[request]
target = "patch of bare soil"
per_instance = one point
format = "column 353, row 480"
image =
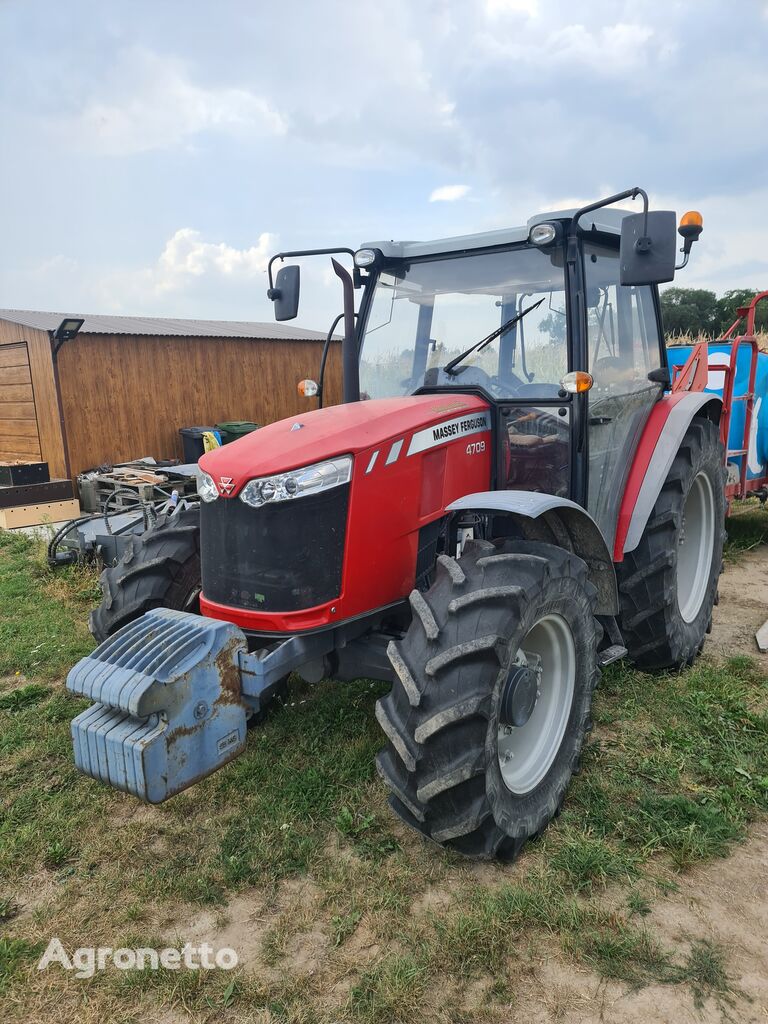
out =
column 240, row 926
column 245, row 921
column 39, row 891
column 8, row 683
column 743, row 607
column 725, row 902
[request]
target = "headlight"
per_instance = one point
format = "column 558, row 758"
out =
column 365, row 257
column 206, row 488
column 298, row 483
column 542, row 234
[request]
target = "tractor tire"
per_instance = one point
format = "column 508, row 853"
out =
column 500, row 612
column 668, row 584
column 160, row 569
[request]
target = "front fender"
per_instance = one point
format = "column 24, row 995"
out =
column 546, row 517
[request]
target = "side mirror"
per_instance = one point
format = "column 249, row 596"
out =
column 285, row 294
column 647, row 254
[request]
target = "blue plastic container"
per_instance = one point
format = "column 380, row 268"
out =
column 719, row 356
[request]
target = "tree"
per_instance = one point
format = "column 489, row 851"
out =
column 732, row 300
column 689, row 311
column 554, row 325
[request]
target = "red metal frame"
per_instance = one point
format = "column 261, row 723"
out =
column 692, row 376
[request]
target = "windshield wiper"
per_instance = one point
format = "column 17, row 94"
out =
column 480, row 345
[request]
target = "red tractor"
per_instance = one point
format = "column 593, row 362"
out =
column 509, row 498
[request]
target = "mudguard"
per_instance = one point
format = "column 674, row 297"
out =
column 659, row 444
column 563, row 517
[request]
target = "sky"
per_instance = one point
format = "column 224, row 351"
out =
column 155, row 154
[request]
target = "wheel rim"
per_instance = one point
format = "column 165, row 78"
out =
column 694, row 547
column 526, row 752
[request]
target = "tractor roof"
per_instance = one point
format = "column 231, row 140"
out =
column 606, row 220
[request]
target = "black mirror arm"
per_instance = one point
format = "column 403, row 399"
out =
column 630, row 193
column 294, row 253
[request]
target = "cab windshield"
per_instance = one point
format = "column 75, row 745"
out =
column 426, row 312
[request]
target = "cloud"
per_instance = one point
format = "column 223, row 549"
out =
column 615, row 50
column 190, row 277
column 187, row 256
column 448, row 193
column 154, row 104
column 494, row 8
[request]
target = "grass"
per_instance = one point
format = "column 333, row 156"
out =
column 298, row 828
column 43, row 629
column 704, row 970
column 747, row 528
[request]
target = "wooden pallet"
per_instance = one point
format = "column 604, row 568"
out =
column 37, row 515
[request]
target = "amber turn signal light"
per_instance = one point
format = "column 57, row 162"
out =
column 576, row 382
column 307, row 388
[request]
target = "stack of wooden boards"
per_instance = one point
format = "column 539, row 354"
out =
column 28, row 496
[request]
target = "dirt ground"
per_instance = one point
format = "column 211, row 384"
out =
column 725, row 902
column 743, row 606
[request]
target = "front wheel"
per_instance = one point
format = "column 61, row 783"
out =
column 491, row 703
column 160, row 569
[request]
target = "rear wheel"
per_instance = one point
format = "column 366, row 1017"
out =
column 491, row 702
column 668, row 584
column 160, row 569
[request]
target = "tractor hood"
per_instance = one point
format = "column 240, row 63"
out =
column 323, row 433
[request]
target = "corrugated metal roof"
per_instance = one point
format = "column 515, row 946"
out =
column 162, row 326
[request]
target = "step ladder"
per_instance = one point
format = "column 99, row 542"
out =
column 738, row 489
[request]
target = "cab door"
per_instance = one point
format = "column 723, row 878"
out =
column 624, row 346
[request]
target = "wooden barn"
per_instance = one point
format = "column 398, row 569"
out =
column 122, row 387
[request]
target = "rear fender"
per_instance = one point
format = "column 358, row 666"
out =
column 546, row 517
column 659, row 444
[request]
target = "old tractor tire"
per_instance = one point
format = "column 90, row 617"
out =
column 668, row 584
column 160, row 569
column 505, row 632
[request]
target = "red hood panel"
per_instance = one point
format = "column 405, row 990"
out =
column 323, row 433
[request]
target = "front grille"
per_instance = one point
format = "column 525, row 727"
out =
column 277, row 558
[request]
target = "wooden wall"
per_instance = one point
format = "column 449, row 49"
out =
column 30, row 423
column 126, row 396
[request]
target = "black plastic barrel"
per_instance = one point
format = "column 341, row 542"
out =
column 192, row 442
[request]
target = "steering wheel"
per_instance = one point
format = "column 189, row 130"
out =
column 475, row 375
column 507, row 386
